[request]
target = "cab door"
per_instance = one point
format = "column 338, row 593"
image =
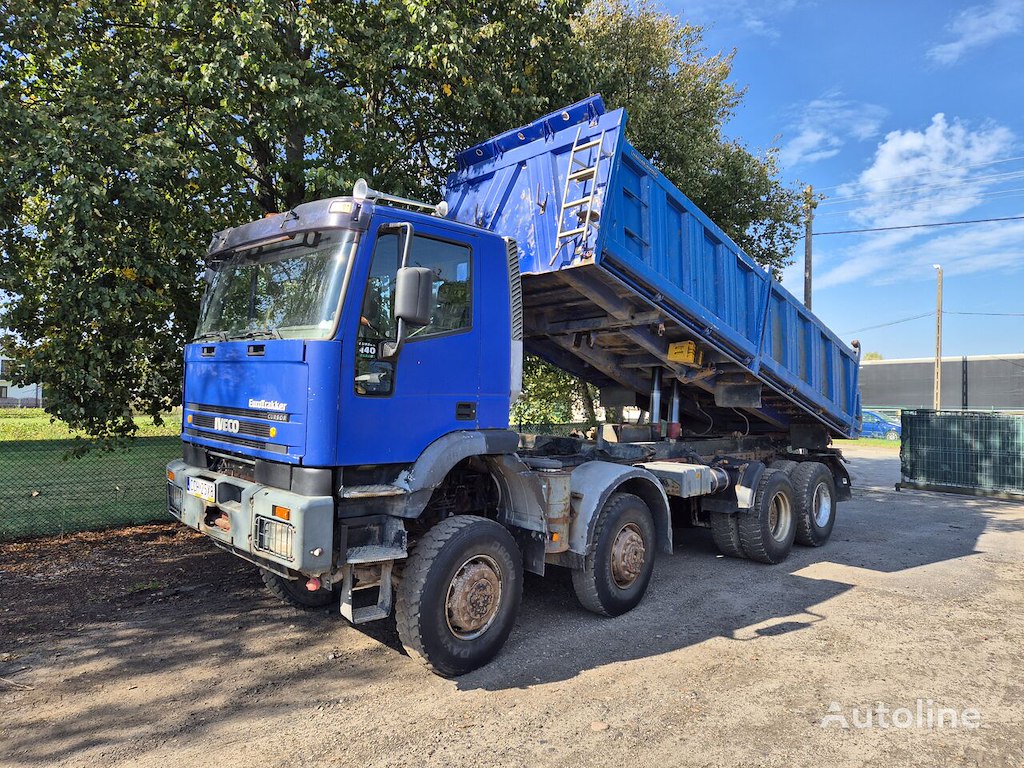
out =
column 397, row 407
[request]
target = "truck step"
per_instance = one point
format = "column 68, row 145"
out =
column 373, row 553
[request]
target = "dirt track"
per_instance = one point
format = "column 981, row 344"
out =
column 152, row 648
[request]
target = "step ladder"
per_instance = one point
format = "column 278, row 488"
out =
column 584, row 170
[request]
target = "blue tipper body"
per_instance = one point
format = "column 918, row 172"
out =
column 647, row 245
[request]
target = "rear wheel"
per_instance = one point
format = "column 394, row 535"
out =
column 615, row 575
column 767, row 531
column 815, row 491
column 459, row 594
column 294, row 592
column 726, row 534
column 786, row 465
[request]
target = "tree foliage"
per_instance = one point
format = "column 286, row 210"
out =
column 132, row 129
column 552, row 396
column 679, row 100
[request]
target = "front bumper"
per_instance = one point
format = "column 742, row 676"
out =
column 242, row 518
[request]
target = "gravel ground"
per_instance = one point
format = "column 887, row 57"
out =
column 151, row 648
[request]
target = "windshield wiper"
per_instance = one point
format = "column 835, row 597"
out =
column 218, row 335
column 259, row 333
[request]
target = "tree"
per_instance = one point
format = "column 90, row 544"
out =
column 130, row 130
column 873, row 356
column 552, row 396
column 679, row 99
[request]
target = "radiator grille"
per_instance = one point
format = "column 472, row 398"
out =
column 244, row 427
column 248, row 413
column 258, row 445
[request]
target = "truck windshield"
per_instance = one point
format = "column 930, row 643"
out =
column 287, row 289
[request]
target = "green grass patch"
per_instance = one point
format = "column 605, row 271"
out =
column 877, row 442
column 36, row 424
column 43, row 493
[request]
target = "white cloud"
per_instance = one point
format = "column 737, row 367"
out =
column 922, row 177
column 929, row 174
column 978, row 26
column 754, row 17
column 824, row 125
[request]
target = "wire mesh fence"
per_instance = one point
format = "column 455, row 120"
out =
column 963, row 450
column 44, row 492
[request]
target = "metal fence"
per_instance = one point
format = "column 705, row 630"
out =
column 21, row 402
column 963, row 451
column 44, row 492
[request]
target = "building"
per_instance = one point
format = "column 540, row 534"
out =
column 978, row 382
column 12, row 396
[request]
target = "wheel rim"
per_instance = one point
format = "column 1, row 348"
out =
column 474, row 597
column 892, row 435
column 628, row 554
column 780, row 517
column 822, row 505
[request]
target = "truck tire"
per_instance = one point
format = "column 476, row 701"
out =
column 615, row 575
column 815, row 503
column 294, row 592
column 726, row 534
column 460, row 594
column 767, row 531
column 786, row 465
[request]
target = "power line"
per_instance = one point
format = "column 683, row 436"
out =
column 935, row 170
column 989, row 179
column 932, row 314
column 987, row 314
column 886, row 325
column 918, row 226
column 992, row 194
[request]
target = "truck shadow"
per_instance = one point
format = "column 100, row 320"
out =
column 696, row 594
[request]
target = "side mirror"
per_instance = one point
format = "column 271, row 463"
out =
column 414, row 294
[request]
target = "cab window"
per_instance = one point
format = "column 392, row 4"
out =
column 452, row 312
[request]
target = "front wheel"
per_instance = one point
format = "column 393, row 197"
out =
column 615, row 576
column 459, row 594
column 892, row 434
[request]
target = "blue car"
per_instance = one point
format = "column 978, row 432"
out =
column 877, row 425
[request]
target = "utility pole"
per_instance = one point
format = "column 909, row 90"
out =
column 937, row 396
column 809, row 205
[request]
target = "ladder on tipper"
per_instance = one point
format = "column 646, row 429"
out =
column 584, row 169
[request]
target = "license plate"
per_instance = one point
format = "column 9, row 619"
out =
column 200, row 488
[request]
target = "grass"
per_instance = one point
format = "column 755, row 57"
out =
column 876, row 442
column 42, row 492
column 36, row 424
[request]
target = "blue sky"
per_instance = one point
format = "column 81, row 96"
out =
column 901, row 113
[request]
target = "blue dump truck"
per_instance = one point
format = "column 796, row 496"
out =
column 346, row 398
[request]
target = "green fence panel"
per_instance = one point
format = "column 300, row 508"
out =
column 42, row 492
column 981, row 452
